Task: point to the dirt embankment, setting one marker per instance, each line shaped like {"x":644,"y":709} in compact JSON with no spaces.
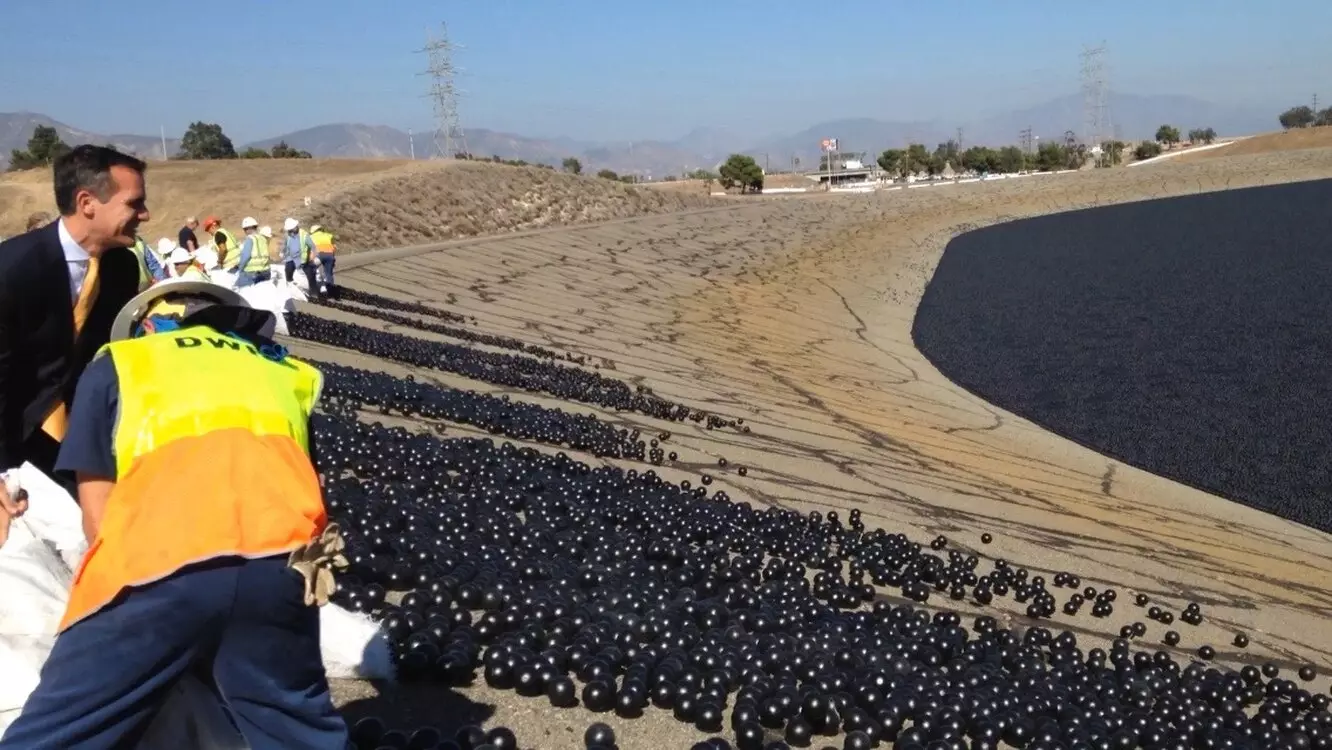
{"x":417,"y":207}
{"x":369,"y":203}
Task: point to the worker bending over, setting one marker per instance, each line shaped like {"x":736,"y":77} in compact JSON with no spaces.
{"x":254,"y":264}
{"x":325,"y":249}
{"x":194,"y":493}
{"x":186,"y":266}
{"x":299,"y":250}
{"x":228,"y":249}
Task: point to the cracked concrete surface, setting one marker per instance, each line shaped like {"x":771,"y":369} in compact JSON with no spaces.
{"x":795,"y":314}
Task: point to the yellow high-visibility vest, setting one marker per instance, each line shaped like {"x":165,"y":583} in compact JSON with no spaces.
{"x":258,"y":260}
{"x":323,"y":242}
{"x":229,"y":465}
{"x":231,"y":249}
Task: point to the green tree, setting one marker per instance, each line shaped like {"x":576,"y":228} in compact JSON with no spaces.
{"x":573,"y":166}
{"x":981,"y":160}
{"x":944,"y":154}
{"x":1324,"y":118}
{"x":1202,"y":135}
{"x":1112,"y":152}
{"x":254,"y":153}
{"x":606,"y":174}
{"x":702,"y":174}
{"x":917,"y":158}
{"x":283,"y":151}
{"x":742,"y":171}
{"x":892,"y":160}
{"x":1167,"y":135}
{"x":1051,"y":155}
{"x":1146,"y":150}
{"x":44,"y":147}
{"x":1011,"y":160}
{"x":1297,"y":117}
{"x":205,"y":140}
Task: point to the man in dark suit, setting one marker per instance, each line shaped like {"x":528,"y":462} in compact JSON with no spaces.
{"x":61,"y":287}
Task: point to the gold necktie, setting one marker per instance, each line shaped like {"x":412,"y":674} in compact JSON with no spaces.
{"x":57,"y":422}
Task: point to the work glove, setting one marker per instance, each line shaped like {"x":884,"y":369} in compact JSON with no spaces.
{"x":13,"y":502}
{"x":316,"y":563}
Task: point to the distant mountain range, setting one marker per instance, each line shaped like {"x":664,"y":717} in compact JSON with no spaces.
{"x":1133,"y":117}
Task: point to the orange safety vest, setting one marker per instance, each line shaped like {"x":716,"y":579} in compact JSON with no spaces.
{"x":202,"y":472}
{"x":323,"y":242}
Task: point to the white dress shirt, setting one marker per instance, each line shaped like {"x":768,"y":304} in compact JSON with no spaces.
{"x":76,"y":258}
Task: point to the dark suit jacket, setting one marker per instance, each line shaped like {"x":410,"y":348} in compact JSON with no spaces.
{"x":40,"y":362}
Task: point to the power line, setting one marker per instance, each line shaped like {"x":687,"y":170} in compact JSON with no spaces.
{"x":448,"y":137}
{"x":1096,"y":109}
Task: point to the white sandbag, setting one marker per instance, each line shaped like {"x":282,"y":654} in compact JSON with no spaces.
{"x":207,"y":256}
{"x":36,"y":570}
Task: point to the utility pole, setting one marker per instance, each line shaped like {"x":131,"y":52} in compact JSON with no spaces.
{"x":449,"y":138}
{"x":165,"y":157}
{"x":1096,"y":111}
{"x":411,"y":143}
{"x":959,"y":140}
{"x":1315,"y":104}
{"x":1024,"y":138}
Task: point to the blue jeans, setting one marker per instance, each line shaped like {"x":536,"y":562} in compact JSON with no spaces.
{"x":326,"y":262}
{"x":243,"y":621}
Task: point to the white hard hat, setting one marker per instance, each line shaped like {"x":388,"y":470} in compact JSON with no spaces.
{"x":315,"y":228}
{"x":248,"y":222}
{"x":290,"y":224}
{"x":266,"y":231}
{"x":180,"y":255}
{"x":136,"y":308}
{"x":165,"y":246}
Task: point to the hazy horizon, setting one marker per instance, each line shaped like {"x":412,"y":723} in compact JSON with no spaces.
{"x":596,"y":70}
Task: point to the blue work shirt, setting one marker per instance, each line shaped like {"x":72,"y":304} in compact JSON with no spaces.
{"x":247,"y":246}
{"x":155,"y":267}
{"x":291,"y":250}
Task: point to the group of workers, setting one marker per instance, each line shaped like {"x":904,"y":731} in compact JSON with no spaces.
{"x":209,"y":546}
{"x":247,"y":259}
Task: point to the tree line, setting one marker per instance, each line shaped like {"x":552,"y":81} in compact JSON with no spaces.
{"x":201,"y":141}
{"x":1304,"y":116}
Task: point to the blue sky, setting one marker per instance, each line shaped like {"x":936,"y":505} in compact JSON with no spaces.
{"x":633,"y":69}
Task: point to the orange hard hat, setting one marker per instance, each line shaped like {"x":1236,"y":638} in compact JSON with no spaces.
{"x":211,"y":221}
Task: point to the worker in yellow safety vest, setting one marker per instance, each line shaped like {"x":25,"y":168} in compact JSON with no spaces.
{"x":150,"y":270}
{"x":325,"y":250}
{"x":190,"y":570}
{"x":228,"y":248}
{"x":299,"y":250}
{"x":184,"y":265}
{"x":253,"y":259}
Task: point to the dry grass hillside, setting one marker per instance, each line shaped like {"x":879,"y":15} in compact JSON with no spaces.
{"x":370,"y":203}
{"x":702,"y":188}
{"x":469,"y":199}
{"x":1287,"y":140}
{"x":231,"y":190}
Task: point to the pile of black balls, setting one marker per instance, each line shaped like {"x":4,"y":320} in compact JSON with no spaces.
{"x":380,"y":302}
{"x":376,"y":309}
{"x":370,"y":733}
{"x":511,"y":370}
{"x":617,"y":591}
{"x":350,"y":390}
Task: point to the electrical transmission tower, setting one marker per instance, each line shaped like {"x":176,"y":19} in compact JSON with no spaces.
{"x":448,"y":136}
{"x":1024,"y":138}
{"x":1096,"y":108}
